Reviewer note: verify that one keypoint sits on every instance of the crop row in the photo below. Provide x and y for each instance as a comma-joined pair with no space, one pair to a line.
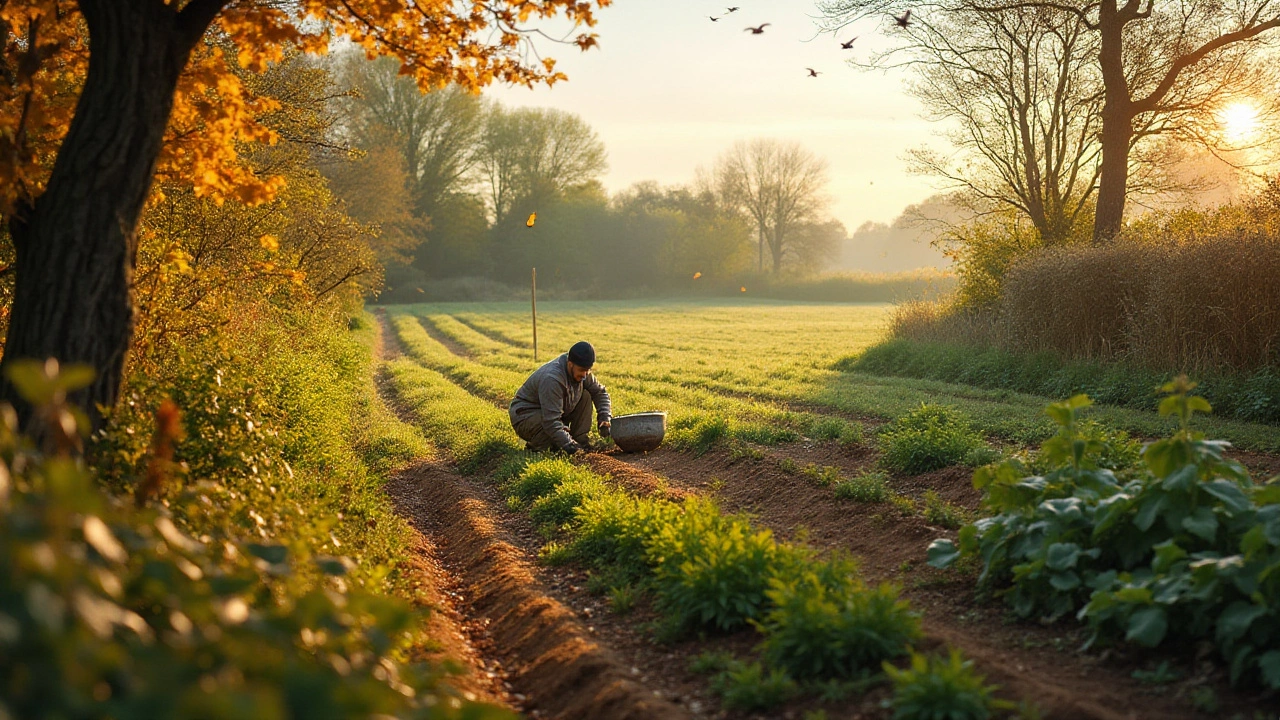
698,418
822,628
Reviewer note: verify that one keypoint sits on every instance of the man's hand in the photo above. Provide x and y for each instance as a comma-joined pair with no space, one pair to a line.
604,428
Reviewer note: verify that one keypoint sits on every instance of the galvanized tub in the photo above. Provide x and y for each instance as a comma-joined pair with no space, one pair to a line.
639,432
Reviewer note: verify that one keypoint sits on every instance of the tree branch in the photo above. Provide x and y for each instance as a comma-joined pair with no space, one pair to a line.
1152,100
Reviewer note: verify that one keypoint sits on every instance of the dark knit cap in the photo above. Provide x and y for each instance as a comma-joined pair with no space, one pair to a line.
582,354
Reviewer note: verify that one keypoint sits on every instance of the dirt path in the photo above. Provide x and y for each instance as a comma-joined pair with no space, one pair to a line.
1032,662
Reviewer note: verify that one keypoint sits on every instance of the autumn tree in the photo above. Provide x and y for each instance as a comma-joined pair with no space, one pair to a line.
531,155
1164,72
78,174
781,186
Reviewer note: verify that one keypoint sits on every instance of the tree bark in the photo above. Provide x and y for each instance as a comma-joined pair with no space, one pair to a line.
1117,125
76,245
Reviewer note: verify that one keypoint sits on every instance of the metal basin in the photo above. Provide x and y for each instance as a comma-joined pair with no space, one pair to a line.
639,432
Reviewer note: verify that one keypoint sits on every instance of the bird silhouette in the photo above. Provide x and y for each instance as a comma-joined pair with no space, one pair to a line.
758,30
714,18
732,9
905,20
812,72
848,45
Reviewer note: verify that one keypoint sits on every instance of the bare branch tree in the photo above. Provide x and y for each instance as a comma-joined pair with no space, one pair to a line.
781,186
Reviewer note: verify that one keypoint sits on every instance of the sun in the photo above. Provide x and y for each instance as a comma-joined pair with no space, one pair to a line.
1239,122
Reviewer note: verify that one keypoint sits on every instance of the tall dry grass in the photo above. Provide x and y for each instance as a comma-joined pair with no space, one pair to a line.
1186,292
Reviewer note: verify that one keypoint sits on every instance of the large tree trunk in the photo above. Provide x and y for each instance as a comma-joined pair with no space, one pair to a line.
1117,126
75,245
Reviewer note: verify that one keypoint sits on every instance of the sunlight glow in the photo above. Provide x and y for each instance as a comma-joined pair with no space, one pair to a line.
1240,122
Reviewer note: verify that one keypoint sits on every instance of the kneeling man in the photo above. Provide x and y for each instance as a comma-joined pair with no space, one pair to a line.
551,409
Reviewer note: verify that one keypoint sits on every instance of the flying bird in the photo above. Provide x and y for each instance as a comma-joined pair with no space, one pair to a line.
732,9
905,20
848,45
714,18
812,72
533,217
758,30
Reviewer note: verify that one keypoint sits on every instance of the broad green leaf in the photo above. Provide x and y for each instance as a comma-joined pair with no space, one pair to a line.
1062,556
1267,494
274,554
1148,510
1202,523
1167,553
31,381
942,553
1147,627
1255,540
1065,582
1235,620
1182,478
1269,665
1232,497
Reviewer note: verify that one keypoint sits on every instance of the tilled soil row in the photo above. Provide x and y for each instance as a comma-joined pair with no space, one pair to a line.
554,666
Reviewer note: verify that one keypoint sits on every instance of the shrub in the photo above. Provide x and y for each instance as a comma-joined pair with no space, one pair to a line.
928,438
867,487
941,689
825,623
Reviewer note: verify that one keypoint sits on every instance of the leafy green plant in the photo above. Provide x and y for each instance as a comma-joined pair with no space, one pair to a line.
826,623
111,611
1186,549
940,512
554,553
622,598
748,686
867,487
711,569
788,466
933,688
928,438
711,661
558,507
821,475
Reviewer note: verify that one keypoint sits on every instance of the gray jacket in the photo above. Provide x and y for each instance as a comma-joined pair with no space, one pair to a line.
552,392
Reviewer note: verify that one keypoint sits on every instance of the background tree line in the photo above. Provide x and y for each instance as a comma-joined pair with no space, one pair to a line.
450,179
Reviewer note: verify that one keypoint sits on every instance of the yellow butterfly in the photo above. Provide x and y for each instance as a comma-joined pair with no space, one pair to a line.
743,288
697,275
533,216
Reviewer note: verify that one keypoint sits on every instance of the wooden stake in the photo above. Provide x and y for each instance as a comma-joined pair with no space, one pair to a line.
535,314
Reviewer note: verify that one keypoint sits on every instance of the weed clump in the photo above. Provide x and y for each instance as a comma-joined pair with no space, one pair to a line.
942,688
825,623
928,438
868,487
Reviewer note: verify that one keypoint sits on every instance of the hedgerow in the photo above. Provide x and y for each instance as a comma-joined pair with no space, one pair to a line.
222,601
1184,547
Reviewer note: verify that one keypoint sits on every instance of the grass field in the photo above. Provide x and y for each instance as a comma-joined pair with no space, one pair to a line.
765,418
765,367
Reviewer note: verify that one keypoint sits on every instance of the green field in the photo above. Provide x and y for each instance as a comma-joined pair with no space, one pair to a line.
766,368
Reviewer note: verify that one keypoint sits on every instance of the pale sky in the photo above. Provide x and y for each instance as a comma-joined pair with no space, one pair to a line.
668,90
